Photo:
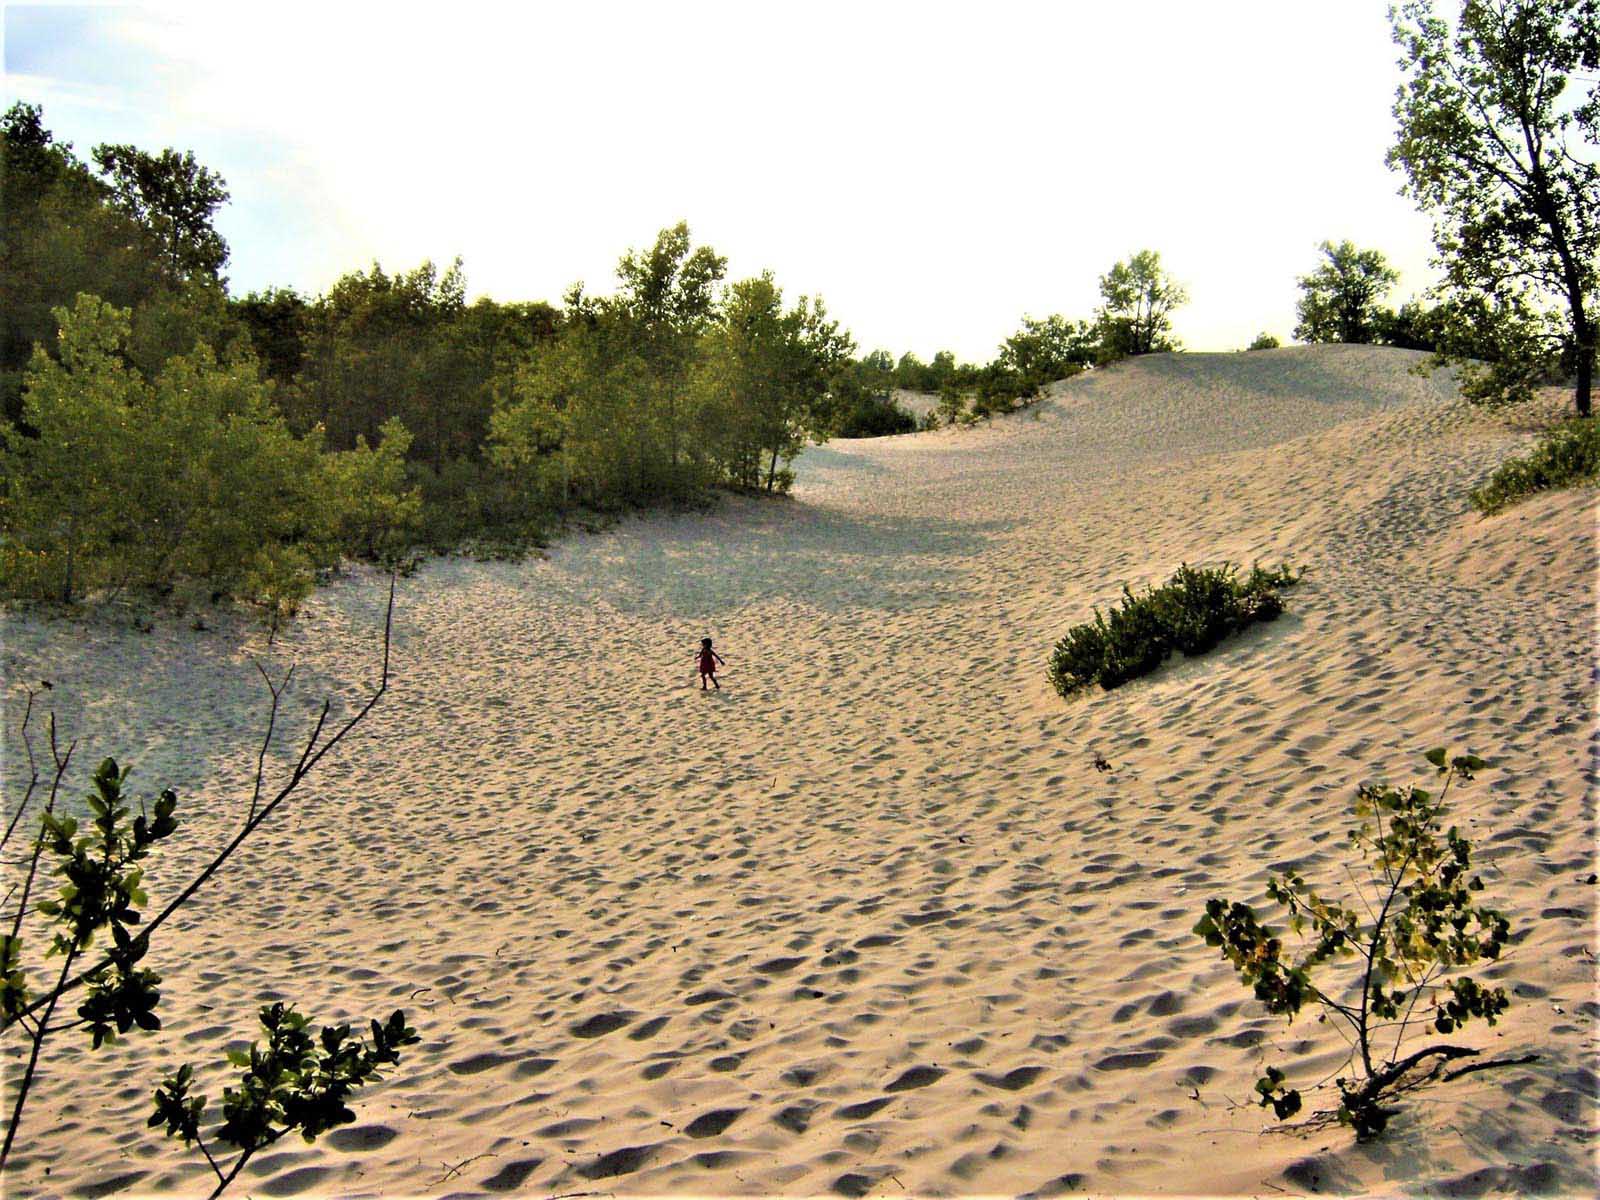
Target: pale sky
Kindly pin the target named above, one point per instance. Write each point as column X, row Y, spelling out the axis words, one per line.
column 933, row 170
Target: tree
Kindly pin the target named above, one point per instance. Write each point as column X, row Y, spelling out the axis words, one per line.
column 669, row 295
column 59, row 237
column 189, row 475
column 1339, row 300
column 1045, row 350
column 766, row 378
column 175, row 198
column 277, row 321
column 1488, row 139
column 1136, row 316
column 62, row 510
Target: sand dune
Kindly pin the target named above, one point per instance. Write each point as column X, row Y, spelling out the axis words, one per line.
column 868, row 921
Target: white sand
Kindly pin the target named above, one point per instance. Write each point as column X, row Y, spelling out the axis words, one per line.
column 869, row 918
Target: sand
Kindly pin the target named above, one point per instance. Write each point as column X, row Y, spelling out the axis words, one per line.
column 869, row 920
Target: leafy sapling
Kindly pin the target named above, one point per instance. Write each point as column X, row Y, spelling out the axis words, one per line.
column 100, row 890
column 300, row 1081
column 1420, row 924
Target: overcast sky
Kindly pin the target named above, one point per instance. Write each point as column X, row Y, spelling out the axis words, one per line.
column 934, row 171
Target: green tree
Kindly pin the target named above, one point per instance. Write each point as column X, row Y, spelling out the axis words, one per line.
column 373, row 351
column 568, row 420
column 942, row 371
column 59, row 237
column 1339, row 300
column 669, row 296
column 64, row 511
column 377, row 511
column 911, row 373
column 1043, row 351
column 175, row 198
column 278, row 322
column 1489, row 142
column 1136, row 314
column 192, row 475
column 766, row 380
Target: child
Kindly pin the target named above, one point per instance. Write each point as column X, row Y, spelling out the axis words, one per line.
column 709, row 659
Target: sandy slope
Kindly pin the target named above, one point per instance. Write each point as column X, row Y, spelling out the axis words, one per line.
column 869, row 919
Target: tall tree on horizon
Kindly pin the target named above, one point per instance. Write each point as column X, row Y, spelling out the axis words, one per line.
column 1339, row 300
column 1136, row 316
column 1489, row 139
column 669, row 295
column 175, row 198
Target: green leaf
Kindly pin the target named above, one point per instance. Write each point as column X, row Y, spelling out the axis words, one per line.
column 1436, row 756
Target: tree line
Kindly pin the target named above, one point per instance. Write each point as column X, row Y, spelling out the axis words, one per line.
column 162, row 433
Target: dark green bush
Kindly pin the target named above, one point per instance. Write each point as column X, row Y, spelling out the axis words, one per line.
column 1191, row 612
column 1567, row 455
column 874, row 417
column 1136, row 641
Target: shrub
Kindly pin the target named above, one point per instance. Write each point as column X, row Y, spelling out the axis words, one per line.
column 1566, row 456
column 378, row 513
column 1191, row 612
column 874, row 417
column 1265, row 341
column 1135, row 641
column 952, row 406
column 1420, row 923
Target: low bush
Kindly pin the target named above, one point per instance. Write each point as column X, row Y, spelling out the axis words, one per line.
column 1265, row 341
column 1191, row 612
column 1417, row 926
column 1566, row 456
column 874, row 417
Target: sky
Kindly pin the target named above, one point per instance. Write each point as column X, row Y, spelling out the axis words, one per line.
column 933, row 170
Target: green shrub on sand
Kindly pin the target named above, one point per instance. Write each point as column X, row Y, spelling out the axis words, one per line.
column 1566, row 456
column 1191, row 612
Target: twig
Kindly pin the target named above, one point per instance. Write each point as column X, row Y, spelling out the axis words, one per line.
column 1489, row 1066
column 61, row 762
column 33, row 771
column 452, row 1172
column 272, row 719
column 33, row 1059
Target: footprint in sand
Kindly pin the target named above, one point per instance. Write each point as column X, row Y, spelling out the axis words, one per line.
column 863, row 1110
column 602, row 1024
column 1013, row 1080
column 916, row 1077
column 620, row 1162
column 778, row 966
column 712, row 1123
column 796, row 1118
column 511, row 1176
